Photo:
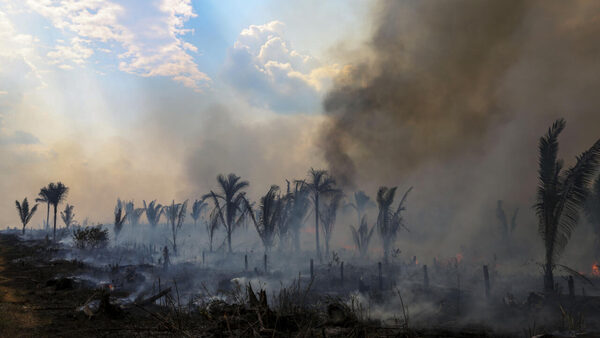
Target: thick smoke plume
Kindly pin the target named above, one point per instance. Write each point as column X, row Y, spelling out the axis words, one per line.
column 440, row 77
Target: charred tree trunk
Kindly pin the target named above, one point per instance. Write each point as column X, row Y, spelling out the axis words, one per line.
column 486, row 279
column 47, row 216
column 317, row 227
column 548, row 278
column 571, row 287
column 229, row 241
column 54, row 236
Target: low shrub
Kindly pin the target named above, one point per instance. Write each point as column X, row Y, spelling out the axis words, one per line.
column 92, row 237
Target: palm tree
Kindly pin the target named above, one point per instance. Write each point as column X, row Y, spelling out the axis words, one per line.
column 360, row 204
column 269, row 217
column 362, row 236
column 68, row 215
column 57, row 192
column 153, row 212
column 133, row 213
column 197, row 208
column 561, row 195
column 389, row 222
column 592, row 211
column 175, row 214
column 43, row 198
column 320, row 183
column 328, row 217
column 24, row 213
column 120, row 217
column 296, row 204
column 234, row 201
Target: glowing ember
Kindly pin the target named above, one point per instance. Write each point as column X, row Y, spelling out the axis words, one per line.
column 596, row 269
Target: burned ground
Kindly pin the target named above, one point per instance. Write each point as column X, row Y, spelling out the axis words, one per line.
column 44, row 294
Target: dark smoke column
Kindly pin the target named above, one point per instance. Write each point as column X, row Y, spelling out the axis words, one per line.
column 428, row 88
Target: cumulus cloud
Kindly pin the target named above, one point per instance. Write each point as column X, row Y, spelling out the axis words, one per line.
column 156, row 50
column 264, row 67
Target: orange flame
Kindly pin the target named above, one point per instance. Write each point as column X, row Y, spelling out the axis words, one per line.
column 596, row 269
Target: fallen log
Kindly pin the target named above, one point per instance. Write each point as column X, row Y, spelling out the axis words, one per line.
column 152, row 299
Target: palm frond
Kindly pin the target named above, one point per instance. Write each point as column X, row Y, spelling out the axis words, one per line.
column 573, row 194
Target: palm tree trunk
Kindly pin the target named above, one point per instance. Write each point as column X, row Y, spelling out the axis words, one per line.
column 548, row 278
column 317, row 227
column 229, row 241
column 47, row 215
column 54, row 236
column 174, row 239
column 23, row 229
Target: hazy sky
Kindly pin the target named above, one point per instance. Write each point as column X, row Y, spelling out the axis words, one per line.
column 152, row 99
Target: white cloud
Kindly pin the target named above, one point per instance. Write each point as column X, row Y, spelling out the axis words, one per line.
column 77, row 52
column 16, row 47
column 158, row 50
column 263, row 66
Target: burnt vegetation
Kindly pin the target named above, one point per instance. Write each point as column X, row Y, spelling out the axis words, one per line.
column 316, row 260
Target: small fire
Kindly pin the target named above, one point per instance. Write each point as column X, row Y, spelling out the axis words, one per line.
column 596, row 270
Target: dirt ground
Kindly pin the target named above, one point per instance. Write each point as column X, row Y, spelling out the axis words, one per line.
column 29, row 308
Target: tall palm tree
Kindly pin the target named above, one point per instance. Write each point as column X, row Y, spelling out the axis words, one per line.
column 362, row 236
column 43, row 198
column 120, row 217
column 153, row 212
column 561, row 195
column 197, row 208
column 328, row 217
column 175, row 214
column 24, row 213
column 269, row 217
column 234, row 209
column 592, row 211
column 68, row 215
column 360, row 204
column 389, row 221
column 57, row 192
column 319, row 183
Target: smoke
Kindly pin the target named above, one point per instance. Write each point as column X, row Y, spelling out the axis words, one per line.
column 438, row 77
column 451, row 97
